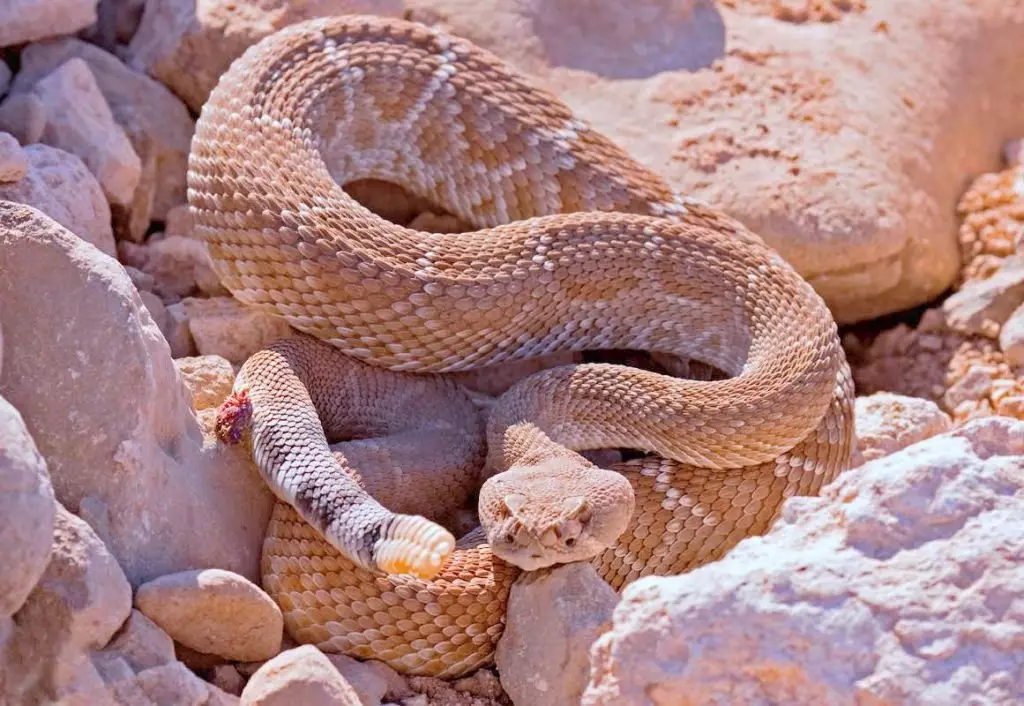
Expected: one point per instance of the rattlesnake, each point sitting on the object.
(579, 247)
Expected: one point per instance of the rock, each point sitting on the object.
(24, 116)
(886, 423)
(118, 20)
(5, 77)
(553, 618)
(226, 678)
(1013, 153)
(179, 336)
(1011, 337)
(13, 162)
(216, 612)
(142, 644)
(983, 306)
(370, 680)
(59, 184)
(179, 221)
(209, 378)
(154, 119)
(187, 46)
(180, 266)
(80, 601)
(24, 21)
(299, 676)
(27, 508)
(174, 683)
(78, 120)
(116, 425)
(224, 326)
(899, 584)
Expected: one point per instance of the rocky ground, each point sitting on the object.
(130, 539)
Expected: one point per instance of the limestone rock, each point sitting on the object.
(27, 20)
(155, 120)
(302, 675)
(13, 162)
(216, 612)
(80, 601)
(982, 306)
(78, 120)
(886, 423)
(1011, 337)
(224, 326)
(208, 377)
(27, 508)
(901, 583)
(59, 184)
(116, 426)
(553, 618)
(187, 45)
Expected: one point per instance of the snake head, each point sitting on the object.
(555, 512)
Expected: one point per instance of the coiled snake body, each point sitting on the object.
(578, 248)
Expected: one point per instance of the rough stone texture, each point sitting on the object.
(179, 265)
(141, 643)
(116, 426)
(886, 423)
(80, 601)
(966, 374)
(187, 45)
(60, 185)
(155, 120)
(370, 680)
(208, 377)
(224, 326)
(13, 161)
(78, 120)
(1011, 337)
(553, 618)
(216, 612)
(26, 511)
(1013, 153)
(27, 20)
(902, 583)
(846, 165)
(24, 116)
(299, 676)
(983, 305)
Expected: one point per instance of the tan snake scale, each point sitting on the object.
(578, 248)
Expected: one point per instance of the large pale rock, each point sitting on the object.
(79, 603)
(902, 583)
(983, 305)
(115, 425)
(209, 378)
(302, 675)
(187, 45)
(155, 120)
(60, 185)
(78, 120)
(822, 131)
(886, 423)
(24, 116)
(553, 618)
(215, 612)
(27, 20)
(1011, 337)
(179, 265)
(26, 512)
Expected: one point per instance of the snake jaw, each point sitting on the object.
(413, 545)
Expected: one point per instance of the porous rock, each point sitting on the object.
(886, 423)
(215, 612)
(902, 583)
(13, 162)
(116, 426)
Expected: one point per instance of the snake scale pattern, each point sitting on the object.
(357, 424)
